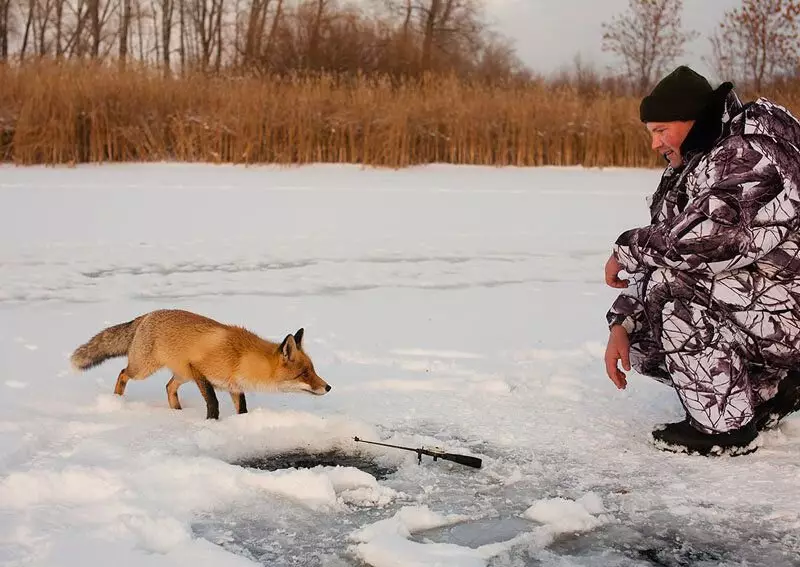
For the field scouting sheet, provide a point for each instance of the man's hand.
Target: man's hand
(613, 268)
(619, 348)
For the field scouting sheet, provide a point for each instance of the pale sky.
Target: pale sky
(548, 33)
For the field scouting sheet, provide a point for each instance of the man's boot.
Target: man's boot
(785, 401)
(682, 437)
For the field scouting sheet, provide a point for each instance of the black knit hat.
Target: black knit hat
(681, 95)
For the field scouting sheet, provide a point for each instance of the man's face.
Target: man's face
(668, 137)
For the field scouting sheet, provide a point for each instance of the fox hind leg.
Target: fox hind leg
(172, 390)
(239, 402)
(133, 372)
(122, 381)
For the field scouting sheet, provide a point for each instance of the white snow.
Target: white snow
(567, 515)
(458, 307)
(385, 542)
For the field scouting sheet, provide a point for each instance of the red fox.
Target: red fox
(212, 354)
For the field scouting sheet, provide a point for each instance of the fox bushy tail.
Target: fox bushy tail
(108, 343)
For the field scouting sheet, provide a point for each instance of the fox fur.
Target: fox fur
(199, 349)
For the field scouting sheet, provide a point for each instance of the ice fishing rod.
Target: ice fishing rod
(474, 462)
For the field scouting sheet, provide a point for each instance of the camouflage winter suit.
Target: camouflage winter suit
(713, 308)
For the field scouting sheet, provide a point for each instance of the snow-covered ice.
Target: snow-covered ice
(459, 307)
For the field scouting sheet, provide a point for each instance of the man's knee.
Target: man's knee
(648, 360)
(678, 304)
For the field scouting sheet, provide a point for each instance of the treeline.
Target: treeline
(399, 37)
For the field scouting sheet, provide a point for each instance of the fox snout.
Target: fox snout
(321, 389)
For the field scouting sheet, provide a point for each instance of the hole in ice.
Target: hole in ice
(663, 545)
(677, 557)
(475, 533)
(306, 460)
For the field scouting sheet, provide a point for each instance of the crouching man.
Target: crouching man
(711, 306)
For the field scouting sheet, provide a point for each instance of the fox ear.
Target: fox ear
(298, 338)
(288, 347)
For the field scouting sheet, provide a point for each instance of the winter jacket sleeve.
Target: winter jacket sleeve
(628, 309)
(739, 213)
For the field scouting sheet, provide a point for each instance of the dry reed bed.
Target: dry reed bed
(77, 113)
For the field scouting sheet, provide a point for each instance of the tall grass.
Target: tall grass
(71, 113)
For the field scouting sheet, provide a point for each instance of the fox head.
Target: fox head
(295, 371)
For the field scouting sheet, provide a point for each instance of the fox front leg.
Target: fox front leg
(212, 404)
(239, 402)
(206, 389)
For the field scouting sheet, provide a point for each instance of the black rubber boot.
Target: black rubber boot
(769, 414)
(682, 437)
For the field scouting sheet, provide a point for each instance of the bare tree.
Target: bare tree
(140, 29)
(182, 35)
(276, 20)
(94, 15)
(315, 34)
(124, 30)
(407, 12)
(167, 14)
(206, 17)
(76, 43)
(447, 25)
(99, 13)
(41, 25)
(400, 47)
(648, 37)
(59, 23)
(498, 59)
(444, 33)
(218, 30)
(254, 36)
(5, 28)
(31, 5)
(758, 41)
